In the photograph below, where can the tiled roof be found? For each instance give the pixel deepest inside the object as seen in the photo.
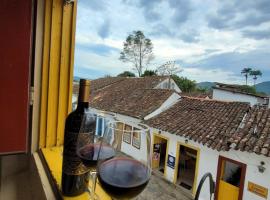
(197, 94)
(134, 97)
(135, 103)
(254, 135)
(209, 122)
(99, 83)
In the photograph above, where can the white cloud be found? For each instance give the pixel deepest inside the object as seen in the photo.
(124, 18)
(215, 75)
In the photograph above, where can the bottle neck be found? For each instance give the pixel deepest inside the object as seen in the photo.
(83, 99)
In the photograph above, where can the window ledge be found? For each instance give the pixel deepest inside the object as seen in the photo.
(50, 159)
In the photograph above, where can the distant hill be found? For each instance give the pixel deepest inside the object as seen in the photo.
(260, 87)
(207, 85)
(263, 87)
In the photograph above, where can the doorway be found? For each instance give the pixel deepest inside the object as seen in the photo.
(186, 167)
(160, 153)
(230, 179)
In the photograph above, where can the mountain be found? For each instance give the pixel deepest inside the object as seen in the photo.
(263, 87)
(206, 84)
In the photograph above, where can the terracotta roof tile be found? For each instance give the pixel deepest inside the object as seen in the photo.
(254, 136)
(209, 122)
(134, 97)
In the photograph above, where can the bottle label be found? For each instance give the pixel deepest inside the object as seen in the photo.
(72, 164)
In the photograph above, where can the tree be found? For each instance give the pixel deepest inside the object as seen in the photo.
(137, 50)
(168, 69)
(126, 74)
(246, 72)
(248, 89)
(149, 73)
(255, 74)
(184, 83)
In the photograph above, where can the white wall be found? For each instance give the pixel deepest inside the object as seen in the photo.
(166, 82)
(232, 96)
(129, 149)
(208, 162)
(166, 105)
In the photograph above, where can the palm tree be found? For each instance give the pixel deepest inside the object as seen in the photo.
(246, 71)
(255, 74)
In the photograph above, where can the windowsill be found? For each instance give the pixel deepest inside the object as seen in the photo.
(52, 161)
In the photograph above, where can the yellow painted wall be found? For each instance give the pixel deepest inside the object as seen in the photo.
(57, 70)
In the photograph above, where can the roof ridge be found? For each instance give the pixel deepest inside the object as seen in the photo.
(213, 100)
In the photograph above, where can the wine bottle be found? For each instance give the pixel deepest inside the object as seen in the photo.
(74, 172)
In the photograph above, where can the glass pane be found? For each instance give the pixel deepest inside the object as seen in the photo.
(231, 173)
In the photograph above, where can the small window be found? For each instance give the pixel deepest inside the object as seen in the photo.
(127, 134)
(136, 138)
(100, 122)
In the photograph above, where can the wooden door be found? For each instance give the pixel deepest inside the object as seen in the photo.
(230, 179)
(15, 63)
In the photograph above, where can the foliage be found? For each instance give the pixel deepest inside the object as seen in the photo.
(168, 68)
(255, 74)
(246, 71)
(126, 74)
(202, 89)
(248, 89)
(137, 50)
(149, 73)
(184, 83)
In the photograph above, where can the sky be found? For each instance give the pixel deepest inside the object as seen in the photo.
(209, 40)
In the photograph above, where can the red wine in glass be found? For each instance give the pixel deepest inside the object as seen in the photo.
(123, 178)
(90, 153)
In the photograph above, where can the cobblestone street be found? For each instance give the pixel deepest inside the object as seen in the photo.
(160, 189)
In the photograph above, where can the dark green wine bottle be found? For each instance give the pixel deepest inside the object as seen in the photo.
(74, 173)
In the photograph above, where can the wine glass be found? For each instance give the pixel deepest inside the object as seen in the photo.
(88, 150)
(125, 175)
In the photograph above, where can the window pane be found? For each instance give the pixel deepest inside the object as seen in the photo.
(127, 134)
(231, 173)
(136, 138)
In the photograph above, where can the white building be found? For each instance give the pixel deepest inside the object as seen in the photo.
(226, 92)
(192, 136)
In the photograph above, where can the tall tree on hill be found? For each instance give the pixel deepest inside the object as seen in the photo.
(137, 50)
(255, 74)
(246, 72)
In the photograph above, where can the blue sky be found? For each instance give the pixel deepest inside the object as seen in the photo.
(210, 40)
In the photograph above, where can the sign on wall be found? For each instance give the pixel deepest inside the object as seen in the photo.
(171, 161)
(258, 189)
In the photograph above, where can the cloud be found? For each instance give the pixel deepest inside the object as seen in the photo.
(213, 75)
(149, 11)
(94, 5)
(99, 49)
(104, 29)
(190, 36)
(212, 35)
(239, 14)
(257, 34)
(181, 10)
